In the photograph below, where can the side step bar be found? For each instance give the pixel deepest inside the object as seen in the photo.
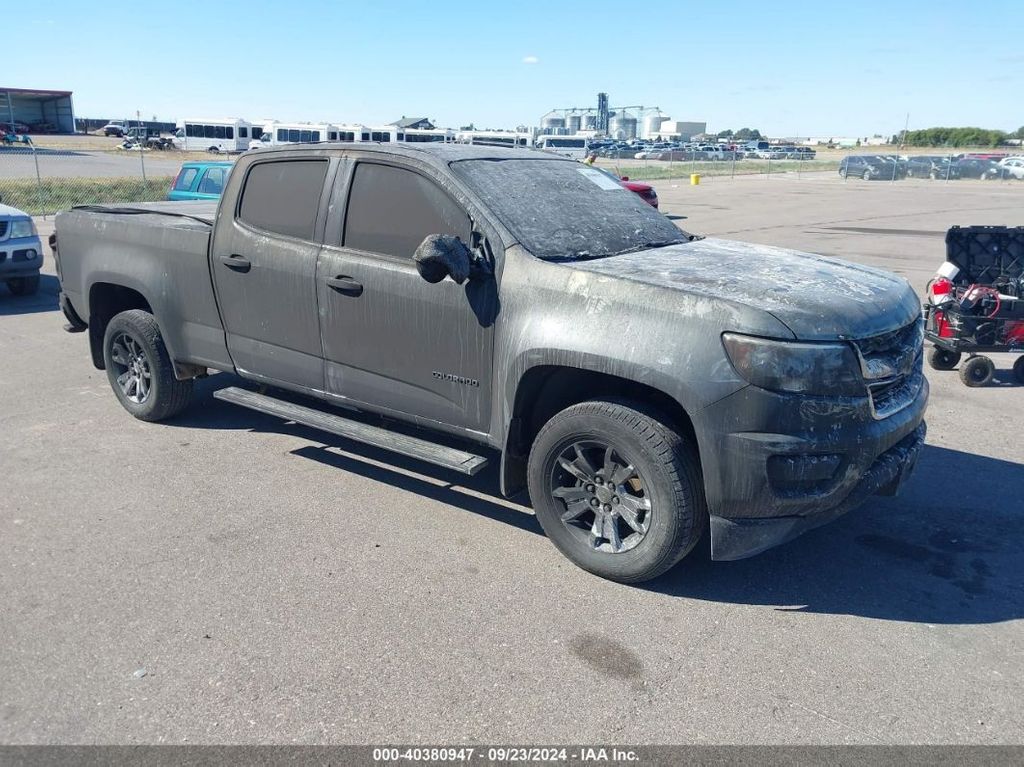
(440, 455)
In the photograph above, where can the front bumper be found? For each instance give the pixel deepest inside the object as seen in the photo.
(777, 465)
(13, 261)
(741, 538)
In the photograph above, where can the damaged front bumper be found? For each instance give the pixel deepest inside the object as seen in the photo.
(740, 538)
(777, 465)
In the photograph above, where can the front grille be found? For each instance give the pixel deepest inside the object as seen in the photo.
(3, 229)
(892, 366)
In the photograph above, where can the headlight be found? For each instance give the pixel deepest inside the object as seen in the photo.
(22, 227)
(804, 368)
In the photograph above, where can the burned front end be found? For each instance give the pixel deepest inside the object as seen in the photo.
(820, 428)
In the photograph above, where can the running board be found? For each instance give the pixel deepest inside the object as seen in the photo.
(440, 455)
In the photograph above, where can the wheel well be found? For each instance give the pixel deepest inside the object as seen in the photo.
(107, 300)
(547, 390)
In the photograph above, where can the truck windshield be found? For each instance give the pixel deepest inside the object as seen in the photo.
(564, 210)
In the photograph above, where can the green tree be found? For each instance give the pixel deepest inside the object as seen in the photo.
(725, 134)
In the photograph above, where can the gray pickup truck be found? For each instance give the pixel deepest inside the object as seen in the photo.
(648, 386)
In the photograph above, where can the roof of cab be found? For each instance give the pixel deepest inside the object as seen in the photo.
(439, 152)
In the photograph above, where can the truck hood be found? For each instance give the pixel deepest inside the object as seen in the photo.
(817, 298)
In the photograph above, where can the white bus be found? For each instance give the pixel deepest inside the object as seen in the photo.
(570, 146)
(278, 133)
(199, 134)
(494, 138)
(424, 135)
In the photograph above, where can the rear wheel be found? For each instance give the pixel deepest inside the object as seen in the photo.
(616, 490)
(140, 370)
(1018, 370)
(867, 175)
(941, 359)
(23, 286)
(977, 371)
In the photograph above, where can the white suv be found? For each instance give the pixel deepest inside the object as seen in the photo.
(1014, 167)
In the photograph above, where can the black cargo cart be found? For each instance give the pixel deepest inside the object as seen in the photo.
(978, 308)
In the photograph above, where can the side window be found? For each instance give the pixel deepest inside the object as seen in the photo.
(391, 210)
(332, 135)
(243, 132)
(257, 133)
(283, 197)
(282, 134)
(185, 179)
(213, 181)
(211, 131)
(229, 131)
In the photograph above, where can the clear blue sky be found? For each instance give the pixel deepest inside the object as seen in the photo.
(833, 68)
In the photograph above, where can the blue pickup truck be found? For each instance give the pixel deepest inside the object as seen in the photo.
(21, 253)
(200, 181)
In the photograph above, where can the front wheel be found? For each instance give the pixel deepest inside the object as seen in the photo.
(140, 370)
(867, 175)
(616, 490)
(23, 286)
(940, 359)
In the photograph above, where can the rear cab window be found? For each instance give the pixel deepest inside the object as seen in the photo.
(283, 196)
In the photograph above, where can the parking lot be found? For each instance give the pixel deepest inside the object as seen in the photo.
(225, 577)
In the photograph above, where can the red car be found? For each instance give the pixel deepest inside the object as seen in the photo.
(646, 191)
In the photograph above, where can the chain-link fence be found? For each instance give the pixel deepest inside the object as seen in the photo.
(80, 170)
(43, 180)
(879, 163)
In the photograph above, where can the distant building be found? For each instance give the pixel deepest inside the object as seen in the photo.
(681, 130)
(41, 111)
(419, 123)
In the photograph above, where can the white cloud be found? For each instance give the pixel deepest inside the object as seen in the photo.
(531, 60)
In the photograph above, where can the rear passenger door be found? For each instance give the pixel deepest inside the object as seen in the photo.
(263, 261)
(392, 340)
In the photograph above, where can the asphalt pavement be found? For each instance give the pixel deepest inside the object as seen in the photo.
(226, 578)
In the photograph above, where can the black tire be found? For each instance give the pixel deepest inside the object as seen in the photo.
(165, 396)
(23, 286)
(977, 371)
(665, 469)
(1018, 370)
(941, 359)
(866, 175)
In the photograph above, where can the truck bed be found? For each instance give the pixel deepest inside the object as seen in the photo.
(156, 249)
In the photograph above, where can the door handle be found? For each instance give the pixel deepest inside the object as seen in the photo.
(236, 262)
(345, 285)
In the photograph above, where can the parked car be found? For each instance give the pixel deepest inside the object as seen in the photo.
(804, 153)
(200, 181)
(21, 253)
(1013, 167)
(870, 168)
(754, 398)
(644, 191)
(16, 127)
(981, 168)
(115, 128)
(932, 166)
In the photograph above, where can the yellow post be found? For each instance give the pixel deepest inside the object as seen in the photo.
(694, 179)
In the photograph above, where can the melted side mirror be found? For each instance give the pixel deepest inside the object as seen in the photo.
(443, 255)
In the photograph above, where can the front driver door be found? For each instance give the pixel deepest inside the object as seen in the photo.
(392, 340)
